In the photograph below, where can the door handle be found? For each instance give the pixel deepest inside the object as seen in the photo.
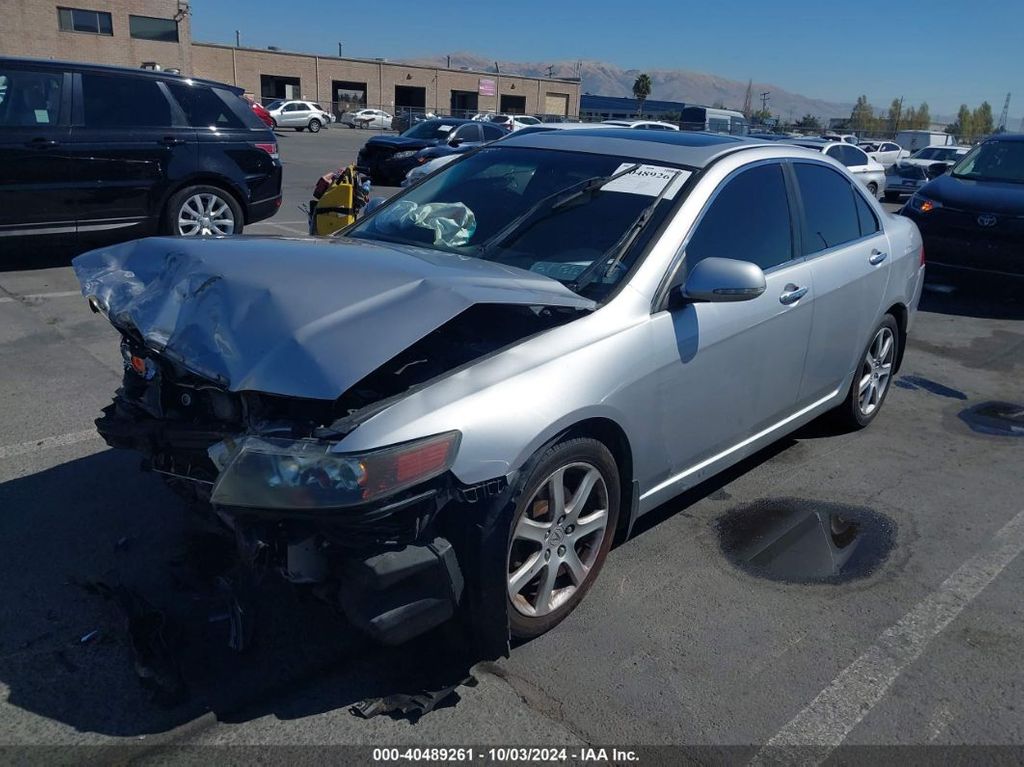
(792, 294)
(877, 257)
(172, 140)
(41, 143)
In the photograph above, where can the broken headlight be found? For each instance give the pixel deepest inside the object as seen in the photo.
(274, 473)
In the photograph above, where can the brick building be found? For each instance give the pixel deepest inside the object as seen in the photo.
(133, 32)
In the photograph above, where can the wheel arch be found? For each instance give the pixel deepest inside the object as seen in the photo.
(901, 314)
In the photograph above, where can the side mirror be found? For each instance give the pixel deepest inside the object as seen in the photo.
(372, 204)
(454, 141)
(723, 279)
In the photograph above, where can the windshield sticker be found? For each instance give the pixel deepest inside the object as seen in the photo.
(445, 128)
(647, 180)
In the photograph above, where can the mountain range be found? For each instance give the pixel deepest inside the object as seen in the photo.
(605, 79)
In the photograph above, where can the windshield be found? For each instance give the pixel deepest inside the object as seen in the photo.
(993, 161)
(432, 129)
(507, 205)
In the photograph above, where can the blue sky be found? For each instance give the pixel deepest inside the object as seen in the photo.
(933, 50)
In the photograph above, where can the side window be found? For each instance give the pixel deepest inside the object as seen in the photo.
(865, 216)
(204, 107)
(747, 220)
(830, 218)
(835, 152)
(29, 98)
(468, 133)
(890, 148)
(291, 108)
(112, 101)
(491, 132)
(852, 156)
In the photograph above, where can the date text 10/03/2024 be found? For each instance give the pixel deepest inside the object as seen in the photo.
(503, 754)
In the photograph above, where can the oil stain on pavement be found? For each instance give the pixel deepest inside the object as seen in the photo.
(801, 541)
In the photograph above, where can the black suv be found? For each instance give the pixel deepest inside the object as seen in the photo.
(92, 154)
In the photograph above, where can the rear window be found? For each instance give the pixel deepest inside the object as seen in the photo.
(210, 107)
(113, 101)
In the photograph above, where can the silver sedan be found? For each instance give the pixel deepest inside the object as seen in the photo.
(462, 401)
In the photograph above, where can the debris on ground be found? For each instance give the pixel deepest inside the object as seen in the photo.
(411, 706)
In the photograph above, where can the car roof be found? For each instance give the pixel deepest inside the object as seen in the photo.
(108, 68)
(448, 120)
(692, 149)
(1006, 137)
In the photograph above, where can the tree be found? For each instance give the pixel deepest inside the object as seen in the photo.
(862, 117)
(760, 117)
(923, 118)
(807, 122)
(641, 90)
(895, 115)
(963, 128)
(981, 120)
(748, 101)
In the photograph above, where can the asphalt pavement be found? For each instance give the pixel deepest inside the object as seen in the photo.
(681, 641)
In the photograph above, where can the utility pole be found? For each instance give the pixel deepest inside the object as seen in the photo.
(764, 101)
(339, 49)
(238, 39)
(551, 71)
(449, 62)
(899, 115)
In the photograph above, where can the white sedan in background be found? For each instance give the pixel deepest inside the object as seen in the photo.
(299, 115)
(367, 118)
(887, 153)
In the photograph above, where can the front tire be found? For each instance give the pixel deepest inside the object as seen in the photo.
(562, 529)
(314, 126)
(873, 379)
(203, 210)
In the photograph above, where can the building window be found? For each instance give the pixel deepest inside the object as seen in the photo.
(149, 28)
(78, 20)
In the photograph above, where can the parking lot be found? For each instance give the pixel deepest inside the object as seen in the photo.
(676, 643)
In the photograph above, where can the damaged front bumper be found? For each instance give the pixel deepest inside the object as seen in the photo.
(396, 565)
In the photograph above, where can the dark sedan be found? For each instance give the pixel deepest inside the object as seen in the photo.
(973, 217)
(388, 158)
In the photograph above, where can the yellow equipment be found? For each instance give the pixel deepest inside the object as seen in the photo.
(338, 198)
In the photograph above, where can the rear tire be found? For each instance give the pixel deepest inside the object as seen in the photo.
(873, 188)
(873, 379)
(557, 547)
(202, 209)
(314, 126)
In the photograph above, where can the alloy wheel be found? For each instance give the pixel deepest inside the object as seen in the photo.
(205, 213)
(876, 371)
(557, 538)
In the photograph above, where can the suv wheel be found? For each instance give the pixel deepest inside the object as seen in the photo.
(199, 210)
(873, 188)
(563, 526)
(314, 126)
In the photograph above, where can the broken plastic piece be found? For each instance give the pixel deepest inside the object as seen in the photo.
(411, 705)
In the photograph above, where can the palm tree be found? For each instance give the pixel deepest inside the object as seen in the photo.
(641, 90)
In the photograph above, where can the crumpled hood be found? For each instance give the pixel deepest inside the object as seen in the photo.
(302, 318)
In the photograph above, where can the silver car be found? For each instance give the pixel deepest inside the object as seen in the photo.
(300, 115)
(462, 402)
(869, 172)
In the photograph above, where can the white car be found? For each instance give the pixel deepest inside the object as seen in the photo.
(299, 115)
(846, 138)
(641, 124)
(933, 154)
(887, 152)
(367, 118)
(909, 175)
(869, 172)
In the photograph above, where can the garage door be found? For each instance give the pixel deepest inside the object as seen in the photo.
(556, 103)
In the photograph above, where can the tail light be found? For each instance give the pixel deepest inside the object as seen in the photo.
(269, 148)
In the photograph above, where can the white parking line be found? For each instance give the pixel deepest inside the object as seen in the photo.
(58, 294)
(46, 443)
(832, 715)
